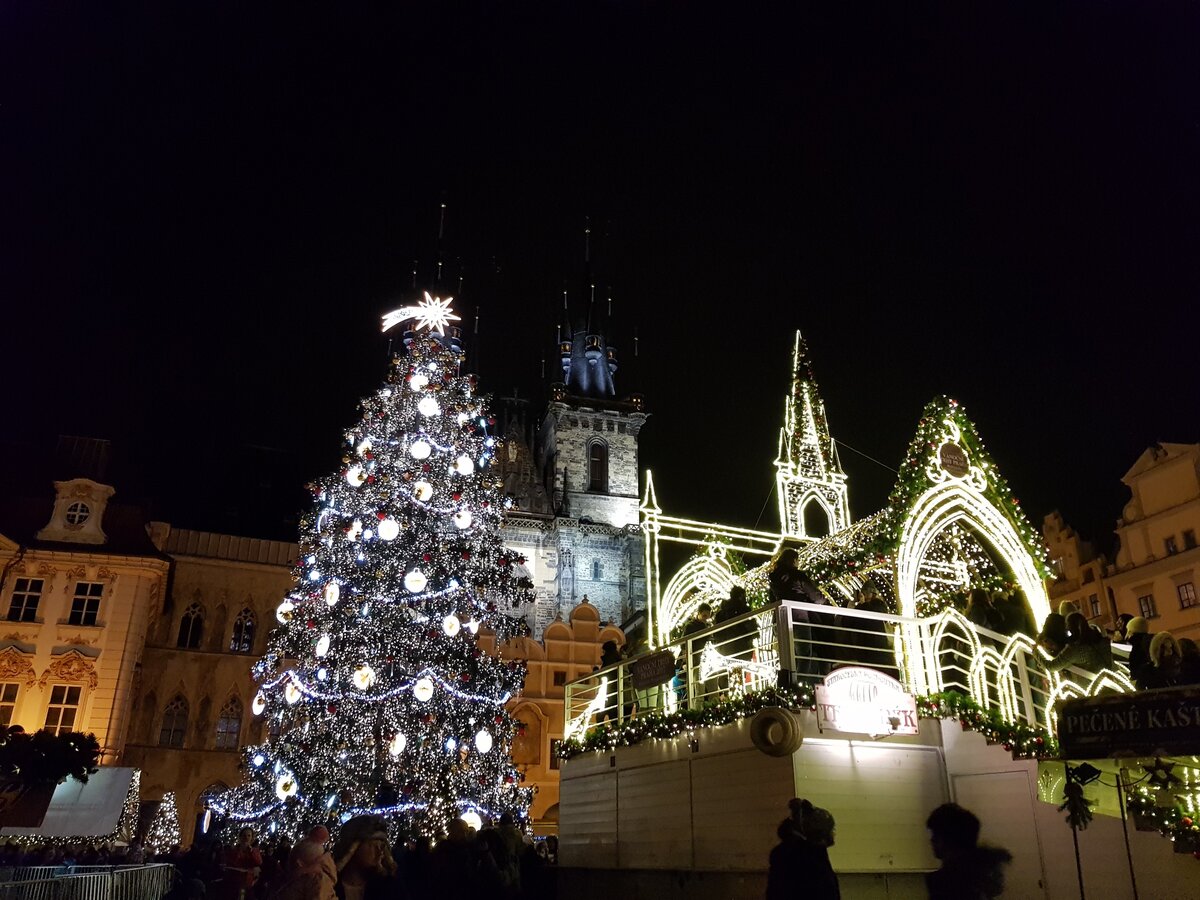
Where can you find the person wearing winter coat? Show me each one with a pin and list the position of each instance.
(799, 865)
(1086, 648)
(969, 871)
(366, 870)
(311, 873)
(1166, 663)
(1137, 632)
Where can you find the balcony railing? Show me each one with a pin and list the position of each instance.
(946, 652)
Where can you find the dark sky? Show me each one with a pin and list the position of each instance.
(204, 213)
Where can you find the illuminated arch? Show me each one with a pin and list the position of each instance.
(831, 521)
(1104, 680)
(708, 572)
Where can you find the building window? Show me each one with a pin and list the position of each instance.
(560, 678)
(78, 513)
(191, 627)
(1146, 607)
(1189, 540)
(243, 632)
(8, 702)
(1187, 594)
(63, 708)
(1171, 546)
(1094, 604)
(555, 762)
(598, 467)
(1089, 575)
(27, 593)
(174, 724)
(85, 606)
(229, 724)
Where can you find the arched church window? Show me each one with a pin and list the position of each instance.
(816, 520)
(598, 466)
(191, 627)
(597, 570)
(174, 724)
(229, 724)
(243, 632)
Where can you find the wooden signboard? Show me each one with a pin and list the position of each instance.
(1146, 723)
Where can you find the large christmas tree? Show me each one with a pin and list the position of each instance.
(376, 696)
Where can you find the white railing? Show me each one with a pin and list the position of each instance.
(150, 882)
(946, 652)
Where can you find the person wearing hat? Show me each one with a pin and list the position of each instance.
(1137, 630)
(799, 865)
(365, 867)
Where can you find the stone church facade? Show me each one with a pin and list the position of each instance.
(573, 477)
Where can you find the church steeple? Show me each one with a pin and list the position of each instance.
(588, 362)
(811, 485)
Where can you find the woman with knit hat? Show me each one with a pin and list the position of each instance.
(1165, 662)
(365, 867)
(1137, 631)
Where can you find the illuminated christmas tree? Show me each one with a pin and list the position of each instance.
(376, 697)
(163, 833)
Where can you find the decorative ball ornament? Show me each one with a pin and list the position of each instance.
(389, 530)
(423, 690)
(462, 519)
(464, 465)
(420, 450)
(363, 677)
(258, 704)
(473, 626)
(333, 593)
(472, 819)
(355, 475)
(286, 786)
(322, 647)
(428, 407)
(483, 741)
(284, 611)
(423, 491)
(291, 693)
(451, 625)
(415, 581)
(355, 529)
(396, 747)
(418, 380)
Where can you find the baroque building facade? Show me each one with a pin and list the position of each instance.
(1157, 563)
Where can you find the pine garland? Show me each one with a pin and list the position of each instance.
(1022, 741)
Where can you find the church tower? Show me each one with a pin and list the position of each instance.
(811, 485)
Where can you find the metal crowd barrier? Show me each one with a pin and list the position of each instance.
(149, 882)
(944, 652)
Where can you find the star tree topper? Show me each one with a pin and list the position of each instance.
(433, 313)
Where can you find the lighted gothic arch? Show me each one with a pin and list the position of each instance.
(704, 575)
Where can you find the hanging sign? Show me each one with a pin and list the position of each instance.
(865, 701)
(652, 670)
(953, 459)
(1146, 723)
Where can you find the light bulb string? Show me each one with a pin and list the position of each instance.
(306, 689)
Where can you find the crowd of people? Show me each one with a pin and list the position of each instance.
(799, 864)
(500, 861)
(83, 854)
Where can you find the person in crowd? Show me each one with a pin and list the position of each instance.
(787, 582)
(873, 636)
(242, 864)
(1138, 634)
(455, 864)
(1120, 634)
(610, 655)
(969, 871)
(981, 612)
(1086, 648)
(1016, 614)
(366, 870)
(1067, 607)
(799, 865)
(701, 620)
(310, 872)
(736, 640)
(1166, 663)
(1189, 661)
(1053, 636)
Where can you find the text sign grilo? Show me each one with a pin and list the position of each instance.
(864, 701)
(1146, 723)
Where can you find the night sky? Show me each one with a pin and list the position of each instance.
(204, 214)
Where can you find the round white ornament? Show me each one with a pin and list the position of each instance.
(355, 476)
(389, 530)
(451, 625)
(462, 519)
(420, 450)
(363, 678)
(415, 581)
(423, 690)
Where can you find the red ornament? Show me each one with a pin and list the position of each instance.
(503, 561)
(312, 623)
(457, 495)
(425, 467)
(499, 719)
(465, 676)
(427, 557)
(381, 515)
(466, 555)
(332, 708)
(370, 479)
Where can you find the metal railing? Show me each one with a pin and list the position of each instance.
(148, 882)
(945, 652)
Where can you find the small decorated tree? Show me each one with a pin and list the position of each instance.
(376, 697)
(163, 833)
